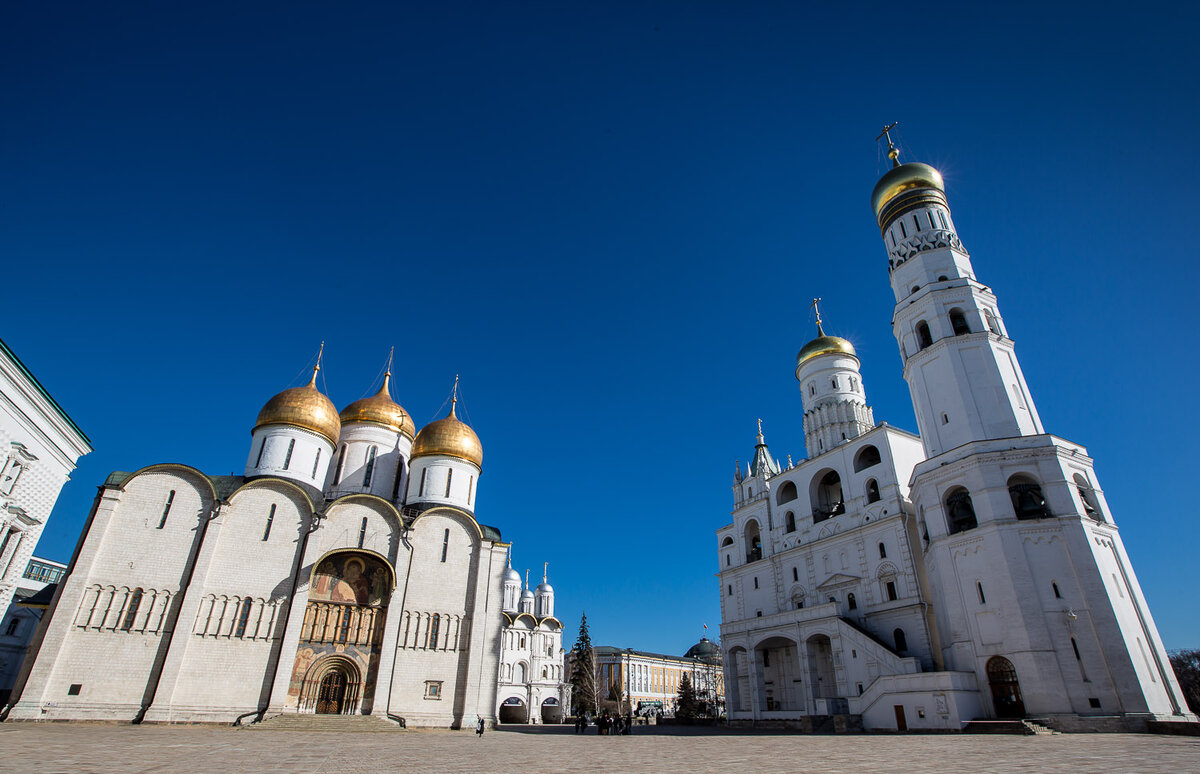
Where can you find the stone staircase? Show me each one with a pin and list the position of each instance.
(1018, 727)
(323, 724)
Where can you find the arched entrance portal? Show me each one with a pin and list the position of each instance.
(342, 633)
(513, 710)
(1006, 691)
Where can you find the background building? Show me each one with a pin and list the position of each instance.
(647, 683)
(921, 582)
(39, 446)
(35, 588)
(532, 686)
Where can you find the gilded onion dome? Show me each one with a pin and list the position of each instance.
(904, 178)
(824, 345)
(304, 407)
(380, 409)
(449, 436)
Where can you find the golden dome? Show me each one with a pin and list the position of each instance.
(303, 407)
(380, 409)
(824, 345)
(905, 177)
(451, 437)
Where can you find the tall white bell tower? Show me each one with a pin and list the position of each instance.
(1031, 587)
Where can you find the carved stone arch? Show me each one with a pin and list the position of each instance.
(886, 569)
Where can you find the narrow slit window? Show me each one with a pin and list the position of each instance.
(470, 489)
(166, 509)
(449, 478)
(244, 616)
(369, 472)
(1057, 594)
(135, 601)
(434, 626)
(942, 218)
(287, 460)
(362, 532)
(979, 588)
(262, 447)
(341, 464)
(795, 574)
(270, 521)
(932, 224)
(421, 493)
(445, 544)
(903, 230)
(917, 222)
(316, 464)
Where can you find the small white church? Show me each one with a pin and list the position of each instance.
(921, 582)
(344, 573)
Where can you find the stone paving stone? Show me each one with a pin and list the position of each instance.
(47, 748)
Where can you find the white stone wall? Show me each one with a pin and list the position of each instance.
(389, 473)
(443, 480)
(308, 462)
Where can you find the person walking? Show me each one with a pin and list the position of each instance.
(479, 727)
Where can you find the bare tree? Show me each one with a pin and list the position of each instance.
(1186, 664)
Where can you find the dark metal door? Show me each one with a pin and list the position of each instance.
(331, 698)
(1006, 691)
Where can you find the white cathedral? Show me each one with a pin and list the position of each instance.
(344, 573)
(973, 572)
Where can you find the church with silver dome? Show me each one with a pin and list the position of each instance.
(346, 572)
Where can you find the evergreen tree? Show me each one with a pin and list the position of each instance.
(686, 705)
(583, 672)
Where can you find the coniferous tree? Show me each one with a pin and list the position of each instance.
(686, 706)
(583, 672)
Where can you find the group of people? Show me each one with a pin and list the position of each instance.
(606, 724)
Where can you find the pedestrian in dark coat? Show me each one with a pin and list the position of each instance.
(479, 727)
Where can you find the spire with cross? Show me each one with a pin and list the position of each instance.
(893, 152)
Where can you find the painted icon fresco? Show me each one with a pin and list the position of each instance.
(354, 579)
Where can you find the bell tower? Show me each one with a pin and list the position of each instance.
(960, 365)
(1029, 581)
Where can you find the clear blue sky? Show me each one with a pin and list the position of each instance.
(610, 219)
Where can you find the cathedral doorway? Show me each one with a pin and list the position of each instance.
(821, 680)
(1006, 691)
(331, 696)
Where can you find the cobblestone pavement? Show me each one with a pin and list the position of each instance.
(61, 747)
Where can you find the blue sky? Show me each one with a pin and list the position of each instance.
(610, 219)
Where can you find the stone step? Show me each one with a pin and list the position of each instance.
(1018, 727)
(354, 724)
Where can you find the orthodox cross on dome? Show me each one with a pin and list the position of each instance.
(317, 367)
(391, 354)
(454, 401)
(893, 152)
(545, 571)
(760, 435)
(526, 577)
(817, 311)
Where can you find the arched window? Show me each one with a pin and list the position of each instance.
(1027, 499)
(827, 501)
(370, 469)
(958, 322)
(1088, 497)
(435, 625)
(851, 602)
(791, 522)
(872, 491)
(901, 640)
(882, 551)
(924, 339)
(287, 460)
(812, 388)
(753, 541)
(960, 511)
(866, 457)
(728, 541)
(316, 464)
(445, 544)
(135, 601)
(261, 448)
(787, 493)
(243, 617)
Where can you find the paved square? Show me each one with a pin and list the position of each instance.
(61, 747)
